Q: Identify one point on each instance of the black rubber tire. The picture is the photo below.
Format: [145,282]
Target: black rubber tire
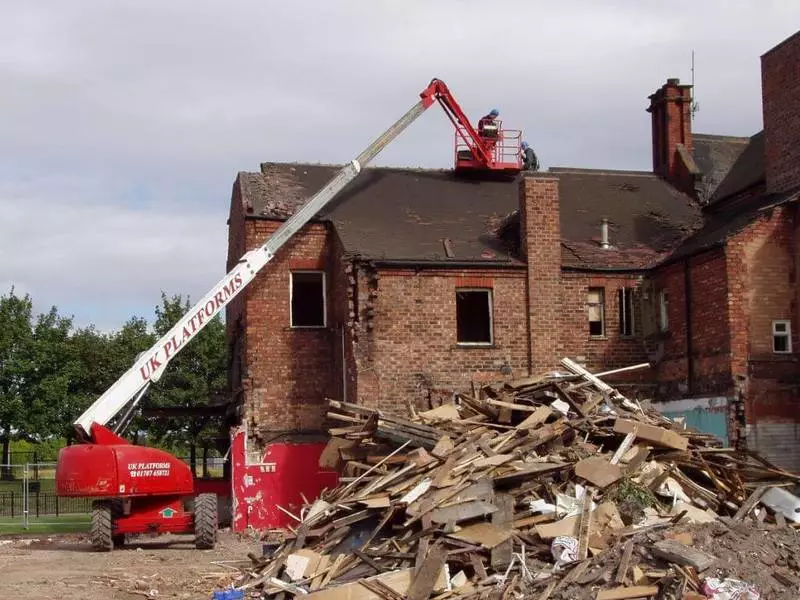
[118,539]
[205,521]
[101,531]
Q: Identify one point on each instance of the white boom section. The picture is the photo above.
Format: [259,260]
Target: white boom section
[151,364]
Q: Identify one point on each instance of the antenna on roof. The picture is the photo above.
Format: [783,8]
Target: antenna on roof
[694,107]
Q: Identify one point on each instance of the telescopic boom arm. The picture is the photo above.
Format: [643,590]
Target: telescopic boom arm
[131,386]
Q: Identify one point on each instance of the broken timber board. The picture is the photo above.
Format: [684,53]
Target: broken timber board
[623,447]
[624,562]
[502,553]
[462,512]
[683,555]
[624,593]
[584,529]
[651,433]
[425,580]
[539,416]
[750,503]
[487,535]
[598,471]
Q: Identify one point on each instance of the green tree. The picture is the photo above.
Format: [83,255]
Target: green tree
[34,371]
[193,377]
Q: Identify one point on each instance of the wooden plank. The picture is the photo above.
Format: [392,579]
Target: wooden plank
[493,461]
[683,555]
[382,501]
[623,447]
[624,562]
[750,503]
[445,412]
[526,473]
[487,535]
[642,452]
[425,580]
[503,518]
[330,457]
[598,471]
[605,515]
[511,405]
[422,552]
[442,447]
[539,416]
[585,526]
[477,565]
[398,581]
[462,511]
[624,593]
[651,433]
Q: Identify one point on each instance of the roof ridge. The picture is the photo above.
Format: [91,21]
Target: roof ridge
[340,165]
[583,171]
[712,137]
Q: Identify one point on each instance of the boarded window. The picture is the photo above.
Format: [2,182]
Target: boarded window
[308,299]
[474,316]
[781,337]
[625,298]
[596,306]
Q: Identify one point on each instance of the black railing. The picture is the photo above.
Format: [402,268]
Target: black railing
[42,503]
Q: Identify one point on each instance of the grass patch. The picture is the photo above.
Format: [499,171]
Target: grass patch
[45,525]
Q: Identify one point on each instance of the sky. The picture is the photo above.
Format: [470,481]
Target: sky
[123,124]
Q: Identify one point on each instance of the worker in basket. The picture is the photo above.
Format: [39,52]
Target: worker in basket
[530,162]
[489,130]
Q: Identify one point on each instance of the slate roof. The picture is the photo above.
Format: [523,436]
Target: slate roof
[748,170]
[719,227]
[404,214]
[714,155]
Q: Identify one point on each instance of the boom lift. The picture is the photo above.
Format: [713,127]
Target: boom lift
[146,490]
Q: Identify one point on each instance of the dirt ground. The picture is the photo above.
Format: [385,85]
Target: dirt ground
[64,566]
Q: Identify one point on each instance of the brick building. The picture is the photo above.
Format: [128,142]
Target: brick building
[416,283]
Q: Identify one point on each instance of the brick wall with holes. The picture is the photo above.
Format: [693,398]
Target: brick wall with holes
[619,344]
[407,344]
[288,371]
[780,88]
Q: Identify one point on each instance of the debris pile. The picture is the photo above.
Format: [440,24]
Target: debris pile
[550,487]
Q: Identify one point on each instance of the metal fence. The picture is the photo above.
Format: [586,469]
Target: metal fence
[28,492]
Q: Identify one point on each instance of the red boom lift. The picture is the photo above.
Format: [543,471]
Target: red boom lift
[146,490]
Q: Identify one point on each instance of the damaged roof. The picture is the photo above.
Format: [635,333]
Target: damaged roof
[719,227]
[406,214]
[715,155]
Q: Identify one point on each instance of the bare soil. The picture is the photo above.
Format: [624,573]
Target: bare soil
[65,567]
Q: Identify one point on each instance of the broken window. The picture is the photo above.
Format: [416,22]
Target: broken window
[663,310]
[596,305]
[474,316]
[626,311]
[781,337]
[308,299]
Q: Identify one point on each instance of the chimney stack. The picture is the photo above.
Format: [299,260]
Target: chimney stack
[780,88]
[670,110]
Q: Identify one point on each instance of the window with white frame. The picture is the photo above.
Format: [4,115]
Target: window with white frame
[781,337]
[474,317]
[663,310]
[625,301]
[597,311]
[307,299]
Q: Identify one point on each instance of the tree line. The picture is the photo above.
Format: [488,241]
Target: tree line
[51,371]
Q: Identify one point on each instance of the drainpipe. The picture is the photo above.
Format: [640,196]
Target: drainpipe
[344,365]
[687,292]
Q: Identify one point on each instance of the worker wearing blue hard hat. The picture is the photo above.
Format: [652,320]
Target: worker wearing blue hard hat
[530,161]
[487,125]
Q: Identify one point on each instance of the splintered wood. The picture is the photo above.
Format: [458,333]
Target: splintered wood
[464,500]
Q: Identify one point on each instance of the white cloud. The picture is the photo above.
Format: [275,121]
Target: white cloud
[137,114]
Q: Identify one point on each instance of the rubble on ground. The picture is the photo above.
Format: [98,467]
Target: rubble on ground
[552,487]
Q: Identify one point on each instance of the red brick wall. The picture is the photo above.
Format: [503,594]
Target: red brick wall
[234,312]
[613,350]
[711,340]
[409,349]
[780,88]
[540,232]
[288,372]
